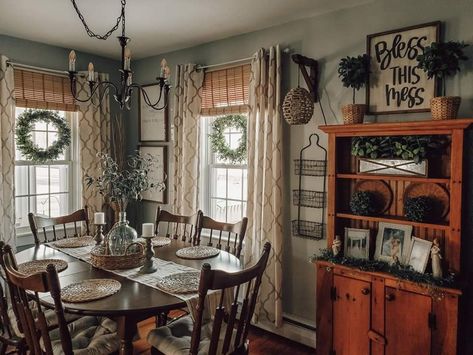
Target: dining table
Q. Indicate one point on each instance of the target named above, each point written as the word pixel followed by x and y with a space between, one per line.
pixel 135 301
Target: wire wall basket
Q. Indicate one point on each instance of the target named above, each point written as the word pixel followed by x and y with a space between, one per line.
pixel 308 198
pixel 308 229
pixel 310 167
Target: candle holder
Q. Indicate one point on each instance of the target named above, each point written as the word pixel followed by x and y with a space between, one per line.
pixel 99 237
pixel 148 267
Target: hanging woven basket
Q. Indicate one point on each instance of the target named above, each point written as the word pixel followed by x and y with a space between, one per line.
pixel 445 107
pixel 298 106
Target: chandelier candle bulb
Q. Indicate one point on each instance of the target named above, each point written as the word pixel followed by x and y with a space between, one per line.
pixel 91 72
pixel 129 80
pixel 127 64
pixel 164 64
pixel 72 60
pixel 147 230
pixel 99 218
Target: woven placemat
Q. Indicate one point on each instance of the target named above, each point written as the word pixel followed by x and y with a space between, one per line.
pixel 183 282
pixel 157 241
pixel 90 290
pixel 198 252
pixel 75 242
pixel 35 266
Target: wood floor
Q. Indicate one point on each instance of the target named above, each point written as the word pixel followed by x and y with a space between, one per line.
pixel 261 343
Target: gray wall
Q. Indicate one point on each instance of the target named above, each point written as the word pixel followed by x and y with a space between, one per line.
pixel 327 38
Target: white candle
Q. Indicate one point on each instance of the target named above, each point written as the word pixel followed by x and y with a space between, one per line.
pixel 127 59
pixel 72 61
pixel 148 229
pixel 99 218
pixel 164 63
pixel 91 72
pixel 129 80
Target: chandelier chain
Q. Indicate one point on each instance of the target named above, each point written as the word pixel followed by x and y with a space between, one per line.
pixel 120 18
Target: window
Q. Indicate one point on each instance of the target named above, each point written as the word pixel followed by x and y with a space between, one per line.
pixel 43 188
pixel 225 184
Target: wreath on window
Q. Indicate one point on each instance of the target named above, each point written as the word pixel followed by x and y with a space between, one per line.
pixel 218 142
pixel 24 141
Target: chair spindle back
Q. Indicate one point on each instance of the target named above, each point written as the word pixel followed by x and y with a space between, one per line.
pixel 176 226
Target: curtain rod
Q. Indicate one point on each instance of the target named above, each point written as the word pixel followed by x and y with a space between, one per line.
pixel 285 50
pixel 37 69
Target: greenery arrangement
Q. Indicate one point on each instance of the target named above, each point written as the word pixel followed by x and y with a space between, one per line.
pixel 404 272
pixel 24 141
pixel 415 148
pixel 354 72
pixel 441 60
pixel 419 209
pixel 219 144
pixel 364 203
pixel 124 185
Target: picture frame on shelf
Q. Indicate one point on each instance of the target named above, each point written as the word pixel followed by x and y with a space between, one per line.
pixel 396 83
pixel 153 125
pixel 160 153
pixel 357 243
pixel 419 254
pixel 393 242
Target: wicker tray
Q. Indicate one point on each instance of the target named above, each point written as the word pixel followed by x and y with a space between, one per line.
pixel 197 252
pixel 129 260
pixel 35 266
pixel 75 242
pixel 90 290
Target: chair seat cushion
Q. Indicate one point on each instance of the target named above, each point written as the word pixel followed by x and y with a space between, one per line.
pixel 175 338
pixel 89 335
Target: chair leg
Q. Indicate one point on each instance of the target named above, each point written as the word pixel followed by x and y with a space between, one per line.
pixel 161 319
pixel 3 349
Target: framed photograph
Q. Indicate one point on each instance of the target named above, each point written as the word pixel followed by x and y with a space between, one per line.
pixel 158 174
pixel 357 243
pixel 393 242
pixel 419 254
pixel 153 125
pixel 396 83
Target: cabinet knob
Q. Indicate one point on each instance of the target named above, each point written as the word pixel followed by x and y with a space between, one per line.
pixel 365 291
pixel 390 297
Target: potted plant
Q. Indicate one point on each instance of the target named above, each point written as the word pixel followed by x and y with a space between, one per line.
pixel 441 60
pixel 354 72
pixel 364 203
pixel 120 186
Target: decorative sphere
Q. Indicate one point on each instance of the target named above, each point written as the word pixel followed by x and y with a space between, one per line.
pixel 298 106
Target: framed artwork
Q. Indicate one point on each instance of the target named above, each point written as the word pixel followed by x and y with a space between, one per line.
pixel 396 83
pixel 357 243
pixel 160 173
pixel 419 254
pixel 393 242
pixel 153 125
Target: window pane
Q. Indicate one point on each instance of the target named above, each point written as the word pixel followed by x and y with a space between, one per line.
pixel 234 211
pixel 218 208
pixel 59 204
pixel 39 138
pixel 245 185
pixel 235 140
pixel 59 178
pixel 39 179
pixel 21 211
pixel 21 180
pixel 40 126
pixel 40 205
pixel 218 184
pixel 234 183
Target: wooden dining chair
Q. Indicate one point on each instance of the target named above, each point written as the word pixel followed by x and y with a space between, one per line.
pixel 227 333
pixel 228 236
pixel 38 223
pixel 87 335
pixel 177 226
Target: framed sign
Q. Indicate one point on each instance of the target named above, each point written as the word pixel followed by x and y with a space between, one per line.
pixel 396 83
pixel 160 173
pixel 153 124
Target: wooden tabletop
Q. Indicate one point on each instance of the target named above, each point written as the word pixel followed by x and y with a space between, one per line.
pixel 133 298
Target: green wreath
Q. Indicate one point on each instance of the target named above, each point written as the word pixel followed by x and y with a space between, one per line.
pixel 24 142
pixel 219 144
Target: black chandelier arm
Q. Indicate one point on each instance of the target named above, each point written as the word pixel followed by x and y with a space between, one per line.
pixel 148 100
pixel 94 86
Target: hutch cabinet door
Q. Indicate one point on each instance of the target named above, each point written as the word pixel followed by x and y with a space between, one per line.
pixel 408 317
pixel 351 316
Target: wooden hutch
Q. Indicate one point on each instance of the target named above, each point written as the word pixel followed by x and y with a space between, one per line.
pixel 361 313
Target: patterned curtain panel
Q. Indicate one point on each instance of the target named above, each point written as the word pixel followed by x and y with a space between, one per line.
pixel 94 137
pixel 7 155
pixel 187 104
pixel 265 180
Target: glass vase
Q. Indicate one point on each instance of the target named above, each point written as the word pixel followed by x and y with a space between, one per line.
pixel 121 235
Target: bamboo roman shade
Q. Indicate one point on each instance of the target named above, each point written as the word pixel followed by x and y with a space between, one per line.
pixel 225 91
pixel 43 91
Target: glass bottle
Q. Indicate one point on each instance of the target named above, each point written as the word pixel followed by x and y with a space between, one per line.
pixel 121 235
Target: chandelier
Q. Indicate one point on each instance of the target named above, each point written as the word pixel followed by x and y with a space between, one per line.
pixel 123 90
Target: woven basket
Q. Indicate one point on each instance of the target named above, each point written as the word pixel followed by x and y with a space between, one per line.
pixel 353 113
pixel 129 260
pixel 444 107
pixel 298 106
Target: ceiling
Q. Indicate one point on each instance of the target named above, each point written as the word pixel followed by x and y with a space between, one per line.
pixel 155 26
